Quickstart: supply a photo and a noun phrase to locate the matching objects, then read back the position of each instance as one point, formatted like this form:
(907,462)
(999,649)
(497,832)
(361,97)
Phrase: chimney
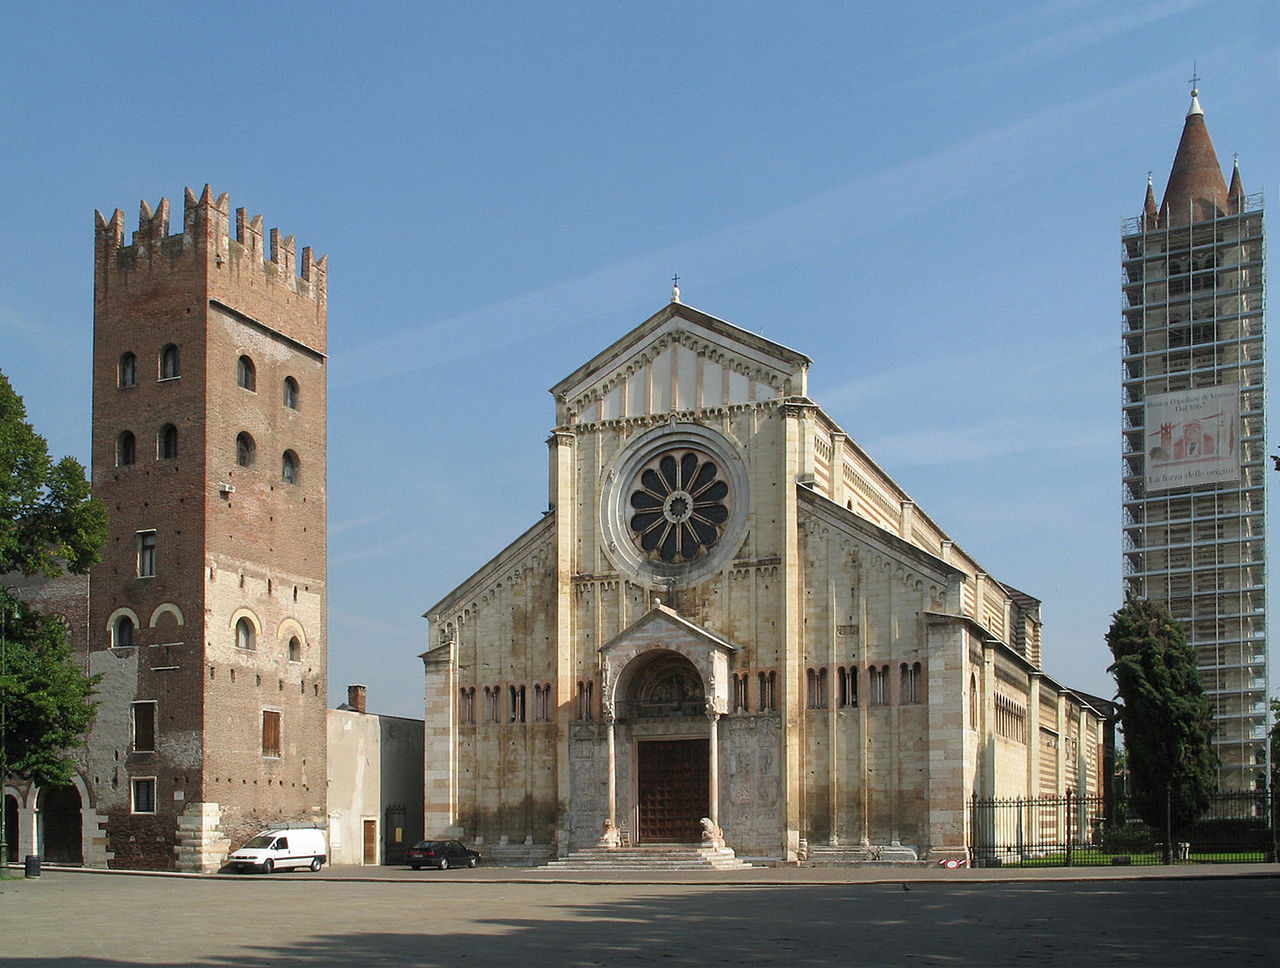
(355,698)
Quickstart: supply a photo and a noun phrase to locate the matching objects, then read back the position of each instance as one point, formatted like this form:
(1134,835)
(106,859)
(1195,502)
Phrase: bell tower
(1194,418)
(207,615)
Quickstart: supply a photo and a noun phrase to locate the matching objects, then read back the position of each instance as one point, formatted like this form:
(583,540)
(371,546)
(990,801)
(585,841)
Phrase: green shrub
(1134,837)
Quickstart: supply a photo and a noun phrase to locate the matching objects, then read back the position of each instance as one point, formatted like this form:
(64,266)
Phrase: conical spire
(1196,188)
(1235,194)
(1150,214)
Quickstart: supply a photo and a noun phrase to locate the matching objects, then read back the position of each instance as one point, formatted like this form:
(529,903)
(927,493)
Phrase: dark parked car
(442,854)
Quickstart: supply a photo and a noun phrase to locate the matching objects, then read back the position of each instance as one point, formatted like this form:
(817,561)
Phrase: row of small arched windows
(166,445)
(167,449)
(247,456)
(514,707)
(247,378)
(168,367)
(124,634)
(910,686)
(766,691)
(124,623)
(247,639)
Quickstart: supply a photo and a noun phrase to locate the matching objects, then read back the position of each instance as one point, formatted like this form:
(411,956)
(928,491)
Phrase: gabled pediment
(663,630)
(679,360)
(664,625)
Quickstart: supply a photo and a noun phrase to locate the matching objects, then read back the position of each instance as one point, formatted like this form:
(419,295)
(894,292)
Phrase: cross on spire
(1195,80)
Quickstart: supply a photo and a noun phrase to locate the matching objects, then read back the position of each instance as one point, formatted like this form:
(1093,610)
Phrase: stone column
(713,790)
(613,772)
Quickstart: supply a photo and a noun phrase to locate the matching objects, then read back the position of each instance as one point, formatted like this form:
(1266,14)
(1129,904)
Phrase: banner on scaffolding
(1193,437)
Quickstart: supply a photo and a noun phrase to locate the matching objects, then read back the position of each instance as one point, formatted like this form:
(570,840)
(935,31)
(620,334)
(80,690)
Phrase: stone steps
(662,857)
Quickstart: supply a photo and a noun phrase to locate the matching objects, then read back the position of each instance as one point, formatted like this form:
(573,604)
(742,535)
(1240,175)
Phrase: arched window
(122,632)
(911,684)
(246,375)
(245,638)
(246,451)
(127,373)
(768,683)
(291,393)
(169,368)
(295,649)
(289,467)
(167,442)
(740,682)
(541,702)
(848,678)
(817,683)
(126,449)
(586,700)
(878,680)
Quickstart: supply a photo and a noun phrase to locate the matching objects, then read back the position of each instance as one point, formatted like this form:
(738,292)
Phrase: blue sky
(925,198)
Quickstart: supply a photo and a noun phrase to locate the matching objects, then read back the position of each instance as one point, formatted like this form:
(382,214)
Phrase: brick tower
(207,614)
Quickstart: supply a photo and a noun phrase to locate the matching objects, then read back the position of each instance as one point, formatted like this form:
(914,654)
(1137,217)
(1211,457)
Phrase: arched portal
(11,828)
(61,825)
(665,707)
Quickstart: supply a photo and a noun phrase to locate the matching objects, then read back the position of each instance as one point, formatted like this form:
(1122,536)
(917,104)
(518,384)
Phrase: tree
(47,700)
(49,522)
(1166,717)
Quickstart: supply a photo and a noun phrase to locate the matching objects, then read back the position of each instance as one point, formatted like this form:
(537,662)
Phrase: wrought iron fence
(1074,830)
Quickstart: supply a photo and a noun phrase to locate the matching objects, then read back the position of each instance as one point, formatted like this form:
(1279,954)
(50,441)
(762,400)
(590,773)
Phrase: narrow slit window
(246,450)
(126,449)
(143,715)
(127,373)
(167,443)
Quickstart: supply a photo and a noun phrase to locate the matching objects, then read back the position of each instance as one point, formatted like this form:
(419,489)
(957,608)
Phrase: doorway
(11,828)
(61,825)
(371,841)
(672,777)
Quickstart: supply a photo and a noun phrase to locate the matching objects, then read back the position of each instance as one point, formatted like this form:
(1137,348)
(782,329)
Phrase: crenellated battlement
(206,230)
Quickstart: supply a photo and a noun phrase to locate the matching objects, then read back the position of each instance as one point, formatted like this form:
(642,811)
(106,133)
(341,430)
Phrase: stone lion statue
(712,835)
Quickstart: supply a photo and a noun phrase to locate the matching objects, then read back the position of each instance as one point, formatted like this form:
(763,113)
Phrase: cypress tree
(1166,717)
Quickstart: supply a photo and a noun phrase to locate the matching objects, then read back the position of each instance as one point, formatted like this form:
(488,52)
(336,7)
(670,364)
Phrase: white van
(280,848)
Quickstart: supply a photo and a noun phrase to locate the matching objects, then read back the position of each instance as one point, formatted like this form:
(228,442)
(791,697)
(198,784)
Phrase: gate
(394,845)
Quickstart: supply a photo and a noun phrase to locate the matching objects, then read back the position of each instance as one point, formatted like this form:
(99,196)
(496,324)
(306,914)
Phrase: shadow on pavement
(1202,924)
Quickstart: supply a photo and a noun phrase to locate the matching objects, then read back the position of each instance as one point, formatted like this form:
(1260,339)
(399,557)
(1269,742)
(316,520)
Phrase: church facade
(731,625)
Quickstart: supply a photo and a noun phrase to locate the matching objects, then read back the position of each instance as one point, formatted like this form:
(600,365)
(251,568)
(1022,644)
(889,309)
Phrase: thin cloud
(987,440)
(862,207)
(951,370)
(352,523)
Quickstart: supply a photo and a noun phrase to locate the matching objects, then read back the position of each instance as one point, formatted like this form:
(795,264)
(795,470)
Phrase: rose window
(680,504)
